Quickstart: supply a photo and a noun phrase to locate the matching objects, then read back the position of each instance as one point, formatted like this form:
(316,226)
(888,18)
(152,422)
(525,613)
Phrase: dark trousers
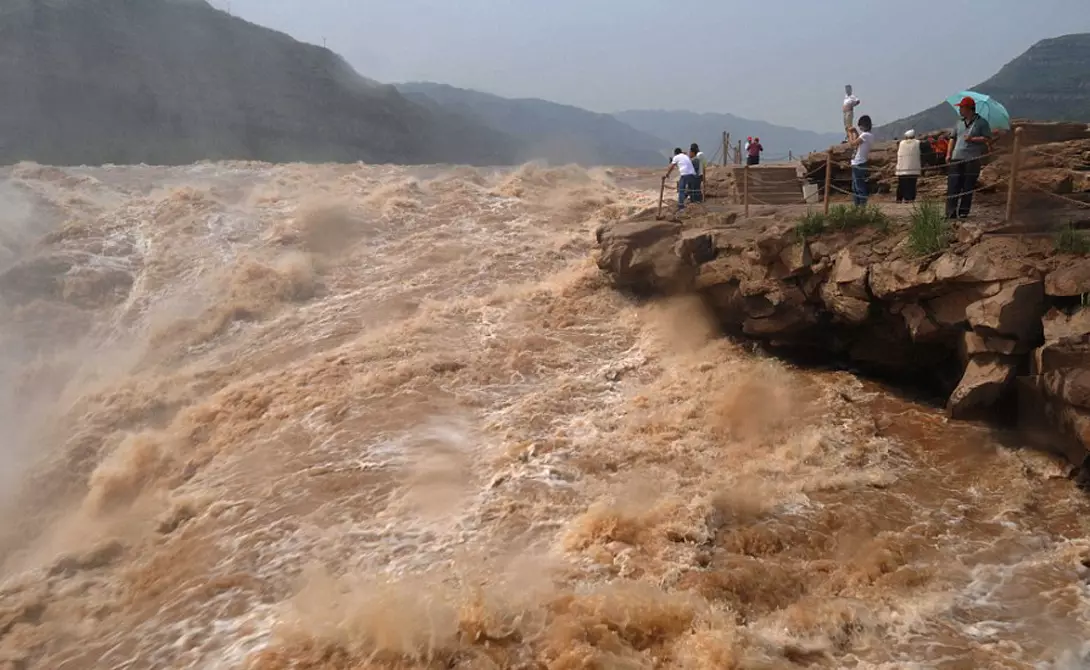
(906,188)
(960,182)
(753,160)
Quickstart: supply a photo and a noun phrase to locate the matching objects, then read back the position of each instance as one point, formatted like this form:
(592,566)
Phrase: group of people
(691,167)
(963,153)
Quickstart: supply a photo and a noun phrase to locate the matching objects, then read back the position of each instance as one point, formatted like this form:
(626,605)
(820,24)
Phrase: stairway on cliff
(779,184)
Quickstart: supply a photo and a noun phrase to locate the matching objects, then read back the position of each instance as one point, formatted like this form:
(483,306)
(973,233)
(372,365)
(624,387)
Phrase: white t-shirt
(862,152)
(850,102)
(684,165)
(698,164)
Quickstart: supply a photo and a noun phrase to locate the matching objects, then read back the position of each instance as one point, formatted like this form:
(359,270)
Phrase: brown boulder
(794,260)
(1070,280)
(1059,325)
(919,324)
(787,320)
(1050,180)
(949,309)
(696,247)
(1013,312)
(727,268)
(986,377)
(993,259)
(849,275)
(1071,352)
(897,278)
(727,302)
(640,255)
(1071,386)
(847,308)
(973,343)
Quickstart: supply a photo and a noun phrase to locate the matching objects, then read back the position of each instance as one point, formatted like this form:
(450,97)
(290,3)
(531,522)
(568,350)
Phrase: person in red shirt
(754,152)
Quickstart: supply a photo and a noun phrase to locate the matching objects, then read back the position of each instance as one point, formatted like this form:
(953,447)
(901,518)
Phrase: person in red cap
(968,144)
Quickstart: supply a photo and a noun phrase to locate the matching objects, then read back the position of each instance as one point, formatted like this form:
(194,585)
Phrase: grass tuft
(1071,240)
(930,231)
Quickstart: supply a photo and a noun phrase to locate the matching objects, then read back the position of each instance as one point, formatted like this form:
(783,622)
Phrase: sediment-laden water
(310,417)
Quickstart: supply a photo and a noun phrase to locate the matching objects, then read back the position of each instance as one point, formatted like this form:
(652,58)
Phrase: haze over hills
(683,127)
(547,130)
(176,81)
(1050,81)
(563,133)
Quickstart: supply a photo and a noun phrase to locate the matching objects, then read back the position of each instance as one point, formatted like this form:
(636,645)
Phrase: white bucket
(810,193)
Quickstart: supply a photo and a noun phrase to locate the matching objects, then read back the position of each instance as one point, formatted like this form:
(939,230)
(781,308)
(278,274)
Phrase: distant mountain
(547,130)
(176,81)
(681,128)
(1049,82)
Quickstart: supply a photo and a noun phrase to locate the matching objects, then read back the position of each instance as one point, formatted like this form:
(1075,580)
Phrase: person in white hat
(908,167)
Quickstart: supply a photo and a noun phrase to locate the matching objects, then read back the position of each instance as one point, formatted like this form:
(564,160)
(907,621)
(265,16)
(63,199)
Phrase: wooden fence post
(1015,154)
(745,188)
(790,156)
(726,147)
(662,195)
(828,177)
(738,154)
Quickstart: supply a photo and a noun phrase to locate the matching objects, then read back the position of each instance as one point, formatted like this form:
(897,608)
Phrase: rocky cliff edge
(990,319)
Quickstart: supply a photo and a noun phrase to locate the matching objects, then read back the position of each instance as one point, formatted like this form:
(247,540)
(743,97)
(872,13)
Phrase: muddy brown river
(343,417)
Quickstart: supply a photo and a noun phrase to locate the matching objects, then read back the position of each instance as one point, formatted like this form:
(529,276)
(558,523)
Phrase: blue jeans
(859,185)
(688,186)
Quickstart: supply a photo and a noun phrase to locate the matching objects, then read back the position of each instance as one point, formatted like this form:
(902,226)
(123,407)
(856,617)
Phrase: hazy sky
(784,61)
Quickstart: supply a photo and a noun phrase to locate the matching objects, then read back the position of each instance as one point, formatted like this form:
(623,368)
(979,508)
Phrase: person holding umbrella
(969,143)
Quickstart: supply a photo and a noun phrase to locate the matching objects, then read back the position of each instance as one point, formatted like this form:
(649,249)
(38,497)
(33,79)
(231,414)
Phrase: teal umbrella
(994,113)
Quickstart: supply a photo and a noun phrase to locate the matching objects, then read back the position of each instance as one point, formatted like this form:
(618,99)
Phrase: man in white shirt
(850,103)
(862,140)
(688,175)
(699,165)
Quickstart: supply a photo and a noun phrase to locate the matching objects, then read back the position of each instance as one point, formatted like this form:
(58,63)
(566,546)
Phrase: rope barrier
(981,189)
(1073,201)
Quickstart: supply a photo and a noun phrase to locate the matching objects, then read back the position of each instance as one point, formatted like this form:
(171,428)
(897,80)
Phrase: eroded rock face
(1015,312)
(986,377)
(1071,279)
(640,255)
(990,302)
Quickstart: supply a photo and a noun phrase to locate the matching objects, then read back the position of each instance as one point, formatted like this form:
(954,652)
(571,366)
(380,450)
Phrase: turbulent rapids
(338,417)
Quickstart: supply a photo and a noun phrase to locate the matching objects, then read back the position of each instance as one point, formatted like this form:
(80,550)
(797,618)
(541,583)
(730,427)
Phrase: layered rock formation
(972,320)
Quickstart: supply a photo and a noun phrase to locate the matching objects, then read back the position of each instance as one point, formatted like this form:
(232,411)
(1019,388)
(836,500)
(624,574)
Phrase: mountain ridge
(177,81)
(1050,81)
(550,131)
(707,128)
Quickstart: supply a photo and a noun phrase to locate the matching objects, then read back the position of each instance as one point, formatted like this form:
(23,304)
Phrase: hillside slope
(548,130)
(1049,82)
(176,81)
(681,128)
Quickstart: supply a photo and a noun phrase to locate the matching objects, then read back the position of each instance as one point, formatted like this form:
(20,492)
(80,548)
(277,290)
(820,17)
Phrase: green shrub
(930,231)
(813,223)
(1072,241)
(845,217)
(841,217)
